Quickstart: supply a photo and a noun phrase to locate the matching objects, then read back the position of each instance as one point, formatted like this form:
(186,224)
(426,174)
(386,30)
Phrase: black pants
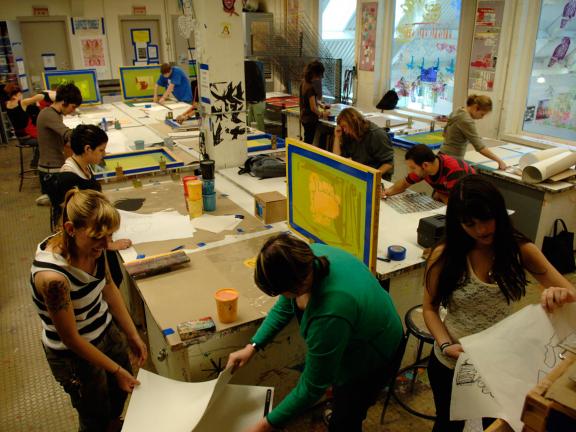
(440,378)
(352,400)
(309,132)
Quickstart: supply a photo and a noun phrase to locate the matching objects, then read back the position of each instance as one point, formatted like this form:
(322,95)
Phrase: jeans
(93,391)
(352,400)
(309,132)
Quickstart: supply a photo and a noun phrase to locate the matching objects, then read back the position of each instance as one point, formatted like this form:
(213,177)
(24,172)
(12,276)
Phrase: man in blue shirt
(175,81)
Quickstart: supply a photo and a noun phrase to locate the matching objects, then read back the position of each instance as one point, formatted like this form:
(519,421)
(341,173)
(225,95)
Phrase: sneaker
(43,200)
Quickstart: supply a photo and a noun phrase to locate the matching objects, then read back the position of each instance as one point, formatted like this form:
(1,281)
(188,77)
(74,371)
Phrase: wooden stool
(30,173)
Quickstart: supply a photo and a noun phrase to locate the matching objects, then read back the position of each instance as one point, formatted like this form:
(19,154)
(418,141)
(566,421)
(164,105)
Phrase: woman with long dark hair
(477,272)
(349,323)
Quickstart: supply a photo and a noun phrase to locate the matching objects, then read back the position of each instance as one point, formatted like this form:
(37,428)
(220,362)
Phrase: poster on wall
(87,26)
(49,61)
(292,15)
(93,52)
(368,36)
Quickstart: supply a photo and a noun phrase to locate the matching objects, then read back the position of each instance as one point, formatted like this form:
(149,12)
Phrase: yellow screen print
(333,200)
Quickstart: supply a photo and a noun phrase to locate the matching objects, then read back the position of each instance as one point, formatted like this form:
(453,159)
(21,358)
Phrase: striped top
(90,308)
(450,171)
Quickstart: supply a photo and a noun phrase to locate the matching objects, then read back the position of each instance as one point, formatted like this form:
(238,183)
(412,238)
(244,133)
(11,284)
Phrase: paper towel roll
(537,156)
(544,169)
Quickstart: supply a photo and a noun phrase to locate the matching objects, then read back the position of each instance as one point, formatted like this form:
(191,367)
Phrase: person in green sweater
(351,328)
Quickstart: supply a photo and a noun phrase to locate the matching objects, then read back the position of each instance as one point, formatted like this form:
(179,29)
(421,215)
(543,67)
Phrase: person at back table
(311,107)
(363,142)
(54,135)
(440,171)
(461,130)
(176,82)
(23,113)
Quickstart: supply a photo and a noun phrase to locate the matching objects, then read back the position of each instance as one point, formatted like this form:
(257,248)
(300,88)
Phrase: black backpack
(264,166)
(388,101)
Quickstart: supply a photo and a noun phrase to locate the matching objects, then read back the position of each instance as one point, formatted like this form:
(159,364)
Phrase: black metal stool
(415,326)
(27,174)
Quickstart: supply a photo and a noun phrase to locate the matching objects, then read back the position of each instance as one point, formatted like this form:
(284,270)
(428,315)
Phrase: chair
(30,173)
(416,327)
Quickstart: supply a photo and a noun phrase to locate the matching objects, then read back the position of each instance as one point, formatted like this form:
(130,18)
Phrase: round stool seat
(414,320)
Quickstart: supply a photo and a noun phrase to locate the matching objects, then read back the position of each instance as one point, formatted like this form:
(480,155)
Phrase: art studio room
(288,215)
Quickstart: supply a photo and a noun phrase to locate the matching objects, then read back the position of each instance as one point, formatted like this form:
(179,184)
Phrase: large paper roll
(544,169)
(537,156)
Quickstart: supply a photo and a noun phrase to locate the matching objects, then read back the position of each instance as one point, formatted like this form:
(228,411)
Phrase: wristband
(444,346)
(255,346)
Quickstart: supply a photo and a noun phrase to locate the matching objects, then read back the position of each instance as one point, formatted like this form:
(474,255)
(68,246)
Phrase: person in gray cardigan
(53,134)
(363,142)
(461,130)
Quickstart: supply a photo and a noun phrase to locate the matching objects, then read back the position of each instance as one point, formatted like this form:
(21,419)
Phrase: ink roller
(155,264)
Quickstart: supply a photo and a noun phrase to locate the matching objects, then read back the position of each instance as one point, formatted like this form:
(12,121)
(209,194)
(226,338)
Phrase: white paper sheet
(513,355)
(546,168)
(162,404)
(185,134)
(122,140)
(143,228)
(215,224)
(129,254)
(537,156)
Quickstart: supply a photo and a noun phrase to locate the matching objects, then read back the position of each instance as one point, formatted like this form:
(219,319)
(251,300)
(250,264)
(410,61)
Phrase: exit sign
(138,10)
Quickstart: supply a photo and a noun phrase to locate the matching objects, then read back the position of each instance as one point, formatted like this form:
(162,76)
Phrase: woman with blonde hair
(363,142)
(461,130)
(81,309)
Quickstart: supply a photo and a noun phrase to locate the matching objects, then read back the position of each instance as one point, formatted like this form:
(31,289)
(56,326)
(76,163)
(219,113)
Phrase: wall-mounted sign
(138,10)
(40,11)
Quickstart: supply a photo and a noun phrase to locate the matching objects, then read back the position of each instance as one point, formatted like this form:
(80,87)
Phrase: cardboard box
(270,207)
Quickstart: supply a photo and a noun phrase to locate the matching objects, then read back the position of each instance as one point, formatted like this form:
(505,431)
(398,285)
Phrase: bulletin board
(85,79)
(333,200)
(137,82)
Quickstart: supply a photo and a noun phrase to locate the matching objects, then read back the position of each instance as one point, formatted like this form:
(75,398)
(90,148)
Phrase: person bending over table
(440,171)
(349,323)
(461,130)
(54,135)
(477,272)
(82,313)
(363,142)
(311,106)
(175,81)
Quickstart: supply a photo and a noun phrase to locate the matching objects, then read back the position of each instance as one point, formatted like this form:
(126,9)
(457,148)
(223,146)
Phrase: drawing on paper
(468,375)
(93,52)
(227,107)
(333,200)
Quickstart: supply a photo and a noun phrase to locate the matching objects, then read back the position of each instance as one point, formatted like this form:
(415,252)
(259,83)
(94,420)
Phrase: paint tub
(207,168)
(208,187)
(209,202)
(194,190)
(139,145)
(185,181)
(227,305)
(194,208)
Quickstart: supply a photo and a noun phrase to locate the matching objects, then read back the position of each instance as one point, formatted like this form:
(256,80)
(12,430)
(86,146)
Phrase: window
(551,102)
(338,33)
(424,54)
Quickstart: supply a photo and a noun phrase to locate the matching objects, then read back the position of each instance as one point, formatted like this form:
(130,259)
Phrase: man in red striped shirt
(442,172)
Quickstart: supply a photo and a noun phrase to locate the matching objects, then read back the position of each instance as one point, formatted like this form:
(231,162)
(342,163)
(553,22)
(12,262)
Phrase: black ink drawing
(226,109)
(468,375)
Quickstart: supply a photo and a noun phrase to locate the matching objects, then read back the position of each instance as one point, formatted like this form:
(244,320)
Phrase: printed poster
(368,36)
(93,52)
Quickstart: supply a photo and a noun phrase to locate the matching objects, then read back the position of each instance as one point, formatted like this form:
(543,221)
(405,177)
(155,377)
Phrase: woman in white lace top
(476,272)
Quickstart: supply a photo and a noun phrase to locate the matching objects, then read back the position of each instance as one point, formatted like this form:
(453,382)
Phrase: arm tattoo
(56,296)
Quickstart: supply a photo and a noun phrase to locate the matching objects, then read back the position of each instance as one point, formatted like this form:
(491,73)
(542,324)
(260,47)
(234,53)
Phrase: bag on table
(264,166)
(559,248)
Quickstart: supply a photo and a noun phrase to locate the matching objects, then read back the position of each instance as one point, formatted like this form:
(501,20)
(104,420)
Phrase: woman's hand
(241,357)
(554,297)
(125,380)
(338,132)
(453,350)
(261,426)
(138,348)
(502,165)
(120,244)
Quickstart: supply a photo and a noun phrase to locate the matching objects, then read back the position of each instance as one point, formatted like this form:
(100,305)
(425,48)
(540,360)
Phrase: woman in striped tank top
(477,272)
(80,308)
